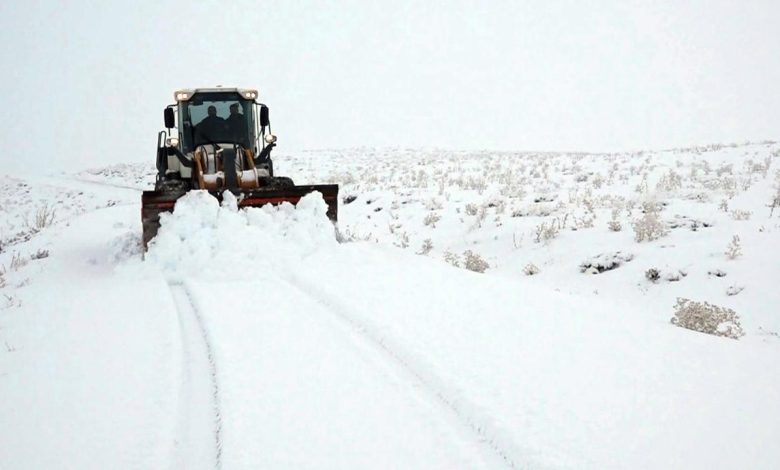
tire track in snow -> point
(478, 422)
(199, 437)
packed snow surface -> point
(267, 338)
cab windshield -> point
(216, 118)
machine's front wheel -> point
(283, 182)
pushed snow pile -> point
(203, 238)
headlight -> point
(270, 138)
(249, 94)
(172, 141)
(182, 95)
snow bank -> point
(203, 238)
(88, 358)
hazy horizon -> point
(87, 83)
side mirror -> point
(264, 119)
(169, 118)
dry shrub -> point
(431, 219)
(737, 214)
(40, 254)
(707, 318)
(452, 258)
(43, 217)
(474, 262)
(583, 222)
(426, 248)
(530, 269)
(605, 262)
(649, 227)
(402, 240)
(776, 197)
(734, 290)
(545, 231)
(347, 236)
(670, 181)
(734, 250)
(652, 275)
(614, 224)
(18, 262)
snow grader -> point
(219, 139)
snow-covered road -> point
(309, 391)
(132, 370)
(297, 388)
(251, 339)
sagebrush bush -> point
(583, 222)
(402, 240)
(348, 236)
(734, 290)
(707, 318)
(734, 250)
(481, 215)
(530, 269)
(775, 202)
(452, 258)
(431, 219)
(434, 204)
(649, 227)
(737, 214)
(474, 262)
(426, 248)
(605, 262)
(545, 231)
(652, 275)
(44, 217)
(18, 262)
(614, 224)
(670, 181)
(40, 254)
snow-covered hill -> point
(261, 339)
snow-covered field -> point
(261, 339)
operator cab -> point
(214, 118)
(217, 127)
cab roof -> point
(186, 93)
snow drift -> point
(203, 238)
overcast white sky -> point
(85, 82)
